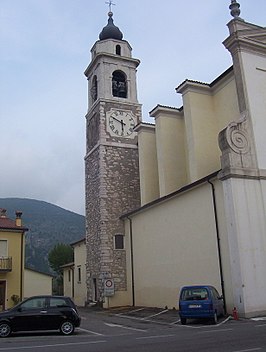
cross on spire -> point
(110, 3)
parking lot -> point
(163, 316)
(130, 329)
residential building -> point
(37, 283)
(74, 274)
(12, 243)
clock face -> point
(121, 123)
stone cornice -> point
(145, 127)
(246, 37)
(163, 111)
(99, 56)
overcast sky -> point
(45, 48)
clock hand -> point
(116, 119)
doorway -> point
(94, 290)
(2, 295)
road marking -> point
(155, 315)
(91, 332)
(123, 327)
(217, 330)
(203, 326)
(249, 350)
(260, 325)
(153, 337)
(128, 312)
(54, 345)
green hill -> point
(48, 224)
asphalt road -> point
(145, 330)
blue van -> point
(200, 302)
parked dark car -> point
(41, 313)
(200, 302)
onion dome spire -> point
(110, 31)
(235, 8)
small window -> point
(94, 89)
(69, 275)
(79, 274)
(118, 49)
(3, 248)
(119, 241)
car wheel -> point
(215, 319)
(183, 321)
(5, 330)
(67, 328)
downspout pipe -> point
(218, 241)
(21, 265)
(132, 261)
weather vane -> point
(110, 3)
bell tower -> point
(111, 163)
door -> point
(31, 315)
(2, 295)
(95, 290)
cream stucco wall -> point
(186, 140)
(15, 278)
(201, 131)
(207, 109)
(170, 146)
(148, 165)
(36, 283)
(68, 280)
(225, 101)
(80, 289)
(170, 250)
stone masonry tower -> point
(111, 163)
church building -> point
(181, 201)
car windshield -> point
(192, 294)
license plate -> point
(194, 306)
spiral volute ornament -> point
(238, 140)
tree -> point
(61, 254)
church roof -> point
(110, 31)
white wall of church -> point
(254, 72)
(245, 214)
(170, 250)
